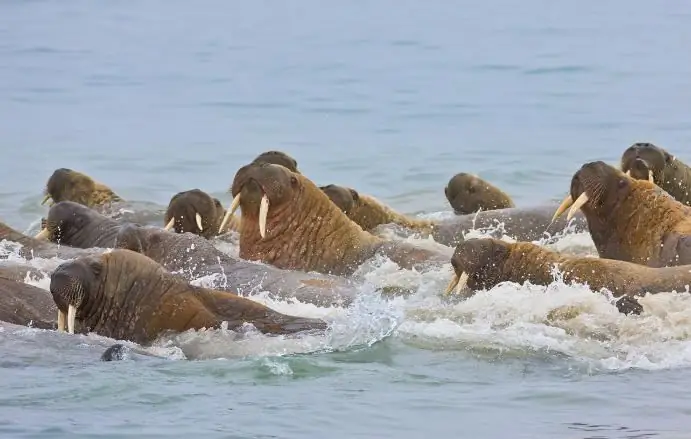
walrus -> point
(197, 212)
(485, 262)
(521, 223)
(68, 185)
(75, 225)
(630, 220)
(468, 193)
(26, 305)
(34, 248)
(368, 212)
(645, 161)
(127, 296)
(290, 223)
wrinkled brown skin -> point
(670, 173)
(69, 185)
(633, 220)
(469, 193)
(489, 261)
(185, 205)
(19, 272)
(521, 223)
(277, 158)
(305, 230)
(368, 213)
(127, 296)
(33, 248)
(75, 225)
(26, 305)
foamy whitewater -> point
(511, 319)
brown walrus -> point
(645, 161)
(197, 212)
(75, 225)
(368, 212)
(630, 220)
(486, 262)
(69, 185)
(127, 296)
(26, 305)
(468, 193)
(290, 223)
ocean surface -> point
(389, 97)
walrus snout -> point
(67, 289)
(193, 211)
(476, 263)
(344, 198)
(64, 218)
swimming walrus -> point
(69, 185)
(630, 220)
(288, 222)
(645, 161)
(35, 248)
(75, 225)
(468, 193)
(368, 212)
(127, 296)
(196, 212)
(486, 262)
(26, 305)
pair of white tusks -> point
(71, 317)
(581, 200)
(263, 214)
(457, 283)
(197, 217)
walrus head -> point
(468, 193)
(345, 198)
(478, 264)
(69, 185)
(277, 158)
(70, 285)
(645, 161)
(597, 188)
(259, 187)
(65, 221)
(194, 211)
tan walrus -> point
(197, 212)
(630, 220)
(645, 161)
(127, 296)
(468, 193)
(483, 263)
(290, 223)
(368, 212)
(69, 185)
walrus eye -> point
(293, 180)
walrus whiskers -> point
(229, 213)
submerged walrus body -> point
(484, 263)
(368, 212)
(35, 248)
(630, 220)
(192, 256)
(127, 296)
(26, 305)
(288, 222)
(520, 223)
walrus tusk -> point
(45, 199)
(61, 321)
(43, 234)
(628, 173)
(71, 317)
(170, 224)
(263, 213)
(457, 284)
(580, 201)
(199, 222)
(231, 210)
(568, 201)
(650, 176)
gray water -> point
(390, 97)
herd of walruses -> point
(130, 280)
